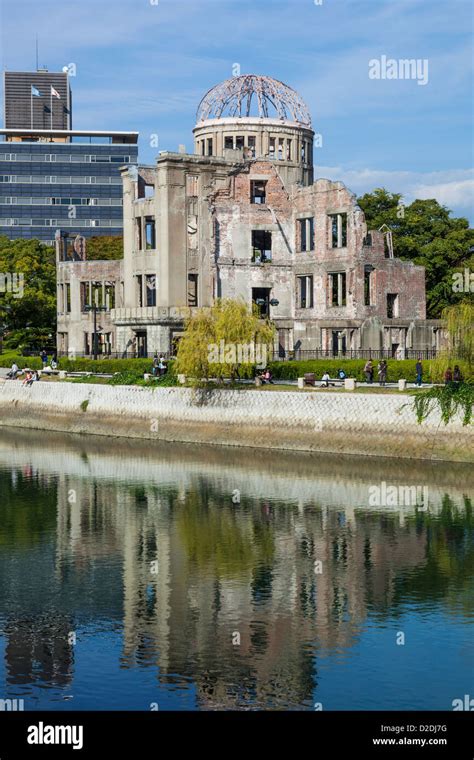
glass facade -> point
(75, 186)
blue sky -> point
(145, 64)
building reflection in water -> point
(240, 598)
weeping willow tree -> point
(458, 397)
(228, 340)
(459, 320)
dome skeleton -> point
(233, 98)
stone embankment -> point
(334, 422)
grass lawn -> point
(340, 389)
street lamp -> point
(94, 309)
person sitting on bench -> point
(325, 381)
(266, 377)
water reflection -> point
(224, 579)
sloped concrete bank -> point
(349, 423)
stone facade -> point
(242, 217)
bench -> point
(310, 379)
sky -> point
(144, 65)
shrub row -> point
(397, 369)
(108, 366)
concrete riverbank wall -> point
(349, 423)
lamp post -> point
(94, 309)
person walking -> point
(155, 365)
(12, 375)
(419, 372)
(369, 372)
(382, 372)
(44, 358)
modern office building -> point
(52, 176)
(37, 100)
(243, 217)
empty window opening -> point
(139, 236)
(338, 343)
(140, 343)
(281, 145)
(150, 233)
(151, 290)
(261, 246)
(229, 143)
(139, 289)
(110, 295)
(209, 146)
(192, 289)
(251, 145)
(338, 230)
(368, 285)
(271, 147)
(97, 294)
(258, 191)
(261, 297)
(392, 305)
(84, 295)
(337, 289)
(239, 142)
(306, 234)
(305, 292)
(288, 150)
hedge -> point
(106, 366)
(397, 369)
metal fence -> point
(358, 353)
(279, 355)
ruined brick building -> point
(243, 217)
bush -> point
(32, 362)
(397, 369)
(106, 366)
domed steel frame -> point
(234, 98)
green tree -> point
(104, 247)
(424, 232)
(217, 333)
(32, 266)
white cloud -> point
(453, 188)
(452, 194)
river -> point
(154, 576)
